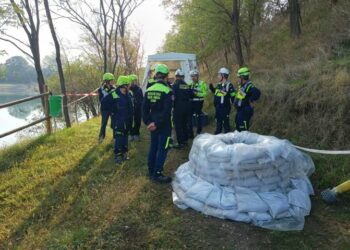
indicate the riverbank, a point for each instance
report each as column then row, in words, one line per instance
column 64, row 191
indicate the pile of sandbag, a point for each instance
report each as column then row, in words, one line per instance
column 246, row 177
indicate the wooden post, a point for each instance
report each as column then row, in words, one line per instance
column 47, row 111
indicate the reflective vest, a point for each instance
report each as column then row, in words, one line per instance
column 157, row 105
column 155, row 91
column 150, row 83
column 114, row 94
column 241, row 94
column 223, row 89
column 202, row 90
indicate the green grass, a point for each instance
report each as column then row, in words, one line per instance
column 64, row 192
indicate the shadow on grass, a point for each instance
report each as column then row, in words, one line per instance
column 148, row 219
column 16, row 154
column 152, row 221
column 69, row 185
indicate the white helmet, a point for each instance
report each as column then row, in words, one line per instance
column 179, row 72
column 224, row 71
column 194, row 72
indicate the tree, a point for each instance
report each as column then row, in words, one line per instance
column 126, row 8
column 251, row 16
column 81, row 76
column 232, row 11
column 18, row 70
column 294, row 18
column 59, row 63
column 100, row 23
column 5, row 16
column 28, row 17
column 105, row 25
column 205, row 27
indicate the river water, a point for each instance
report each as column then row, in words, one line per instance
column 25, row 113
column 18, row 115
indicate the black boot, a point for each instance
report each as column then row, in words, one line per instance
column 118, row 159
column 162, row 179
column 125, row 157
column 100, row 139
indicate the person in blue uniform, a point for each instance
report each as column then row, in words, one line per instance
column 182, row 108
column 151, row 79
column 200, row 91
column 246, row 96
column 156, row 113
column 137, row 101
column 103, row 91
column 224, row 95
column 121, row 109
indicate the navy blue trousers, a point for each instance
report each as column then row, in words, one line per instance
column 222, row 119
column 104, row 120
column 243, row 117
column 197, row 107
column 158, row 151
column 135, row 130
column 181, row 119
column 121, row 144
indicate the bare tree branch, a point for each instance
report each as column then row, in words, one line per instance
column 17, row 46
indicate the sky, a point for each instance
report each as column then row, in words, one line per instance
column 150, row 18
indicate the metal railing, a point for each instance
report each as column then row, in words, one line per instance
column 47, row 117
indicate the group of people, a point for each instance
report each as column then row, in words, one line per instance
column 165, row 104
column 122, row 101
column 243, row 100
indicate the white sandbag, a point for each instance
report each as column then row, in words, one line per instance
column 255, row 216
column 234, row 215
column 228, row 199
column 243, row 152
column 277, row 202
column 186, row 181
column 298, row 212
column 214, row 197
column 194, row 204
column 252, row 165
column 265, row 173
column 284, row 224
column 284, row 184
column 200, row 190
column 272, row 180
column 284, row 214
column 304, row 185
column 299, row 199
column 249, row 201
column 248, row 182
column 268, row 188
column 213, row 211
column 178, row 202
column 246, row 177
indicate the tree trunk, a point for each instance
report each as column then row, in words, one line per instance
column 104, row 24
column 122, row 27
column 92, row 107
column 236, row 33
column 59, row 64
column 294, row 18
column 34, row 47
column 205, row 61
column 226, row 55
column 31, row 28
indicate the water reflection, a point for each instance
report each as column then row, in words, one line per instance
column 17, row 115
column 23, row 110
column 22, row 114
